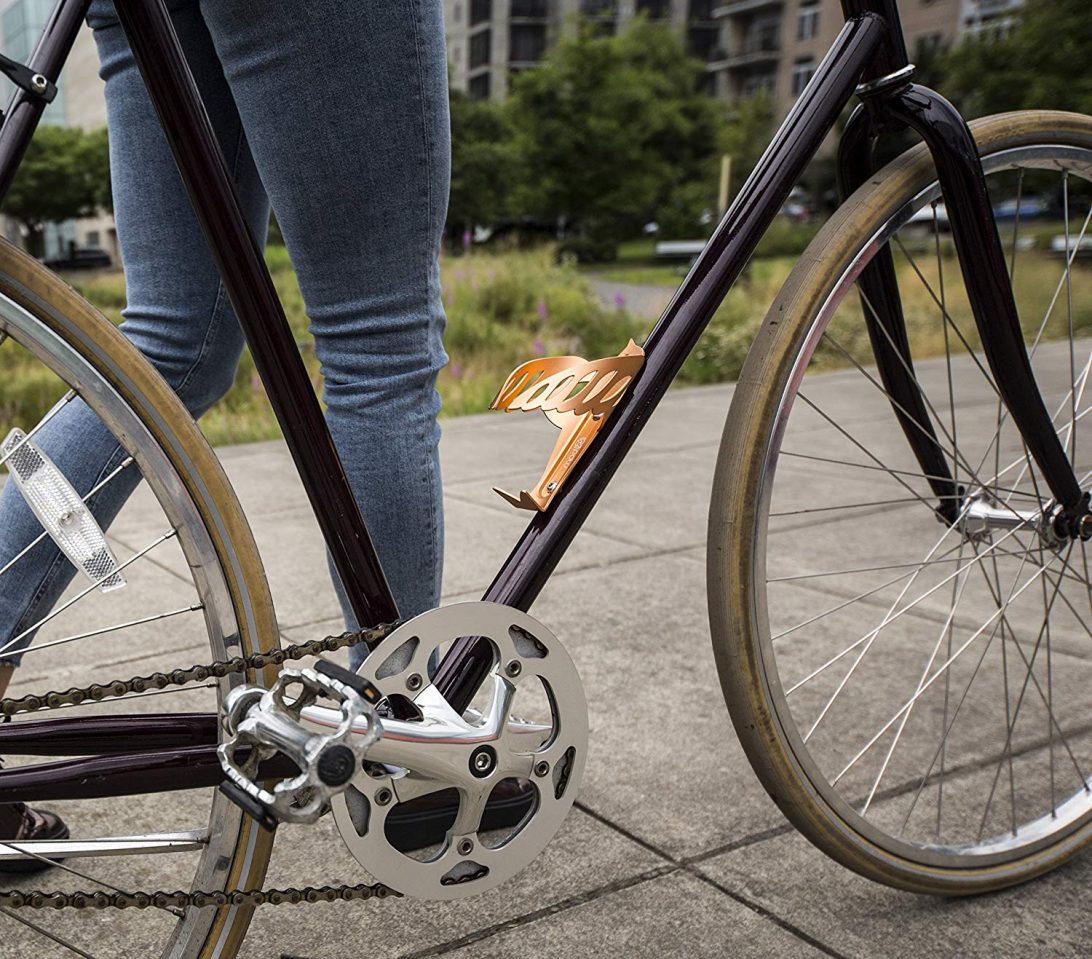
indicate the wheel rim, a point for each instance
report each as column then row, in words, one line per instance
column 226, row 839
column 806, row 710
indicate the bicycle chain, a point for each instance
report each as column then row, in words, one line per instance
column 218, row 669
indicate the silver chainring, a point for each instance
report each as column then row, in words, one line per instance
column 530, row 669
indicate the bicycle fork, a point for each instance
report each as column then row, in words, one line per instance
column 985, row 276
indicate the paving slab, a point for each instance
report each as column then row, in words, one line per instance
column 859, row 918
column 585, row 857
column 676, row 917
column 674, row 848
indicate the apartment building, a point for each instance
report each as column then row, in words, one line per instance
column 490, row 40
column 989, row 18
column 748, row 45
column 80, row 102
column 775, row 45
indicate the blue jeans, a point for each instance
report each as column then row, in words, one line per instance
column 337, row 114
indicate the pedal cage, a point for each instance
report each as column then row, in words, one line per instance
column 264, row 722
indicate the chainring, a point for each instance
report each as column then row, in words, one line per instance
column 470, row 753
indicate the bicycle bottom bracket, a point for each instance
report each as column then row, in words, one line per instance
column 521, row 745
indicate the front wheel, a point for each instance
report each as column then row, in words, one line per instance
column 913, row 693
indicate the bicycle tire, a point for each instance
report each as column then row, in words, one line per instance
column 77, row 342
column 739, row 624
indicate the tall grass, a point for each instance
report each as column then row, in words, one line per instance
column 504, row 309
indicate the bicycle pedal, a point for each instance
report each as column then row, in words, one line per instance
column 262, row 722
column 251, row 806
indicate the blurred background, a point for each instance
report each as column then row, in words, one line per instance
column 595, row 145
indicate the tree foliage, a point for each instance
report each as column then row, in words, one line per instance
column 65, row 174
column 483, row 162
column 1042, row 63
column 612, row 130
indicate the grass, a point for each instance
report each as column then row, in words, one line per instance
column 507, row 308
column 637, row 261
column 501, row 311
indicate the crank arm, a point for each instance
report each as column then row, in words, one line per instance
column 418, row 746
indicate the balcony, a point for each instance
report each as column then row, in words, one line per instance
column 761, row 50
column 990, row 8
column 734, row 8
column 529, row 11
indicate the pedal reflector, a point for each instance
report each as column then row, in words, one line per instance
column 60, row 510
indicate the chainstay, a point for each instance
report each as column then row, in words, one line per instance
column 96, row 692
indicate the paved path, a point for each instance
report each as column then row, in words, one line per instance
column 645, row 300
column 674, row 849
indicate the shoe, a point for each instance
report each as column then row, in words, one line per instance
column 424, row 821
column 19, row 822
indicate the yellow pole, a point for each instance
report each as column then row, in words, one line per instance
column 725, row 179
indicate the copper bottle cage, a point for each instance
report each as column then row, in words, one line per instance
column 577, row 396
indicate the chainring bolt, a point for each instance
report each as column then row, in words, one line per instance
column 413, row 682
column 383, row 796
column 514, row 668
column 483, row 761
column 542, row 768
column 465, row 847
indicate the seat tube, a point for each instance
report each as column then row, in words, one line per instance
column 986, row 278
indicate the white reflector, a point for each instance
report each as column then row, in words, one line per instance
column 60, row 510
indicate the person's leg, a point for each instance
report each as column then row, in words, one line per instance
column 177, row 313
column 345, row 108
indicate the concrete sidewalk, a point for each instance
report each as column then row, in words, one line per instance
column 674, row 849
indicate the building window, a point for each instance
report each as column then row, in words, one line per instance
column 701, row 11
column 456, row 55
column 457, row 12
column 480, row 11
column 529, row 9
column 807, row 20
column 701, row 42
column 656, row 9
column 478, row 87
column 480, row 45
column 757, row 83
column 763, row 36
column 598, row 8
column 526, row 43
column 801, row 74
column 928, row 45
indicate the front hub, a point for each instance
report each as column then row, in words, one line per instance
column 984, row 514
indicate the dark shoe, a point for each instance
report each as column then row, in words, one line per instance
column 19, row 822
column 424, row 821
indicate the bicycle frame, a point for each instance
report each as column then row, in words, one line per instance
column 868, row 56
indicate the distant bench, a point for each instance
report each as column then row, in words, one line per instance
column 679, row 249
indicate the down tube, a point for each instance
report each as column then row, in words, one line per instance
column 542, row 545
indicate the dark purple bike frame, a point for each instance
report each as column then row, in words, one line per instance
column 136, row 754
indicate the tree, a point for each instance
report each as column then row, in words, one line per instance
column 1040, row 64
column 746, row 135
column 610, row 130
column 483, row 163
column 65, row 174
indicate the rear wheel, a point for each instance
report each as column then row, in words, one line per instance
column 194, row 591
column 913, row 693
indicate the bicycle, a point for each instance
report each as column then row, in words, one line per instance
column 973, row 564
